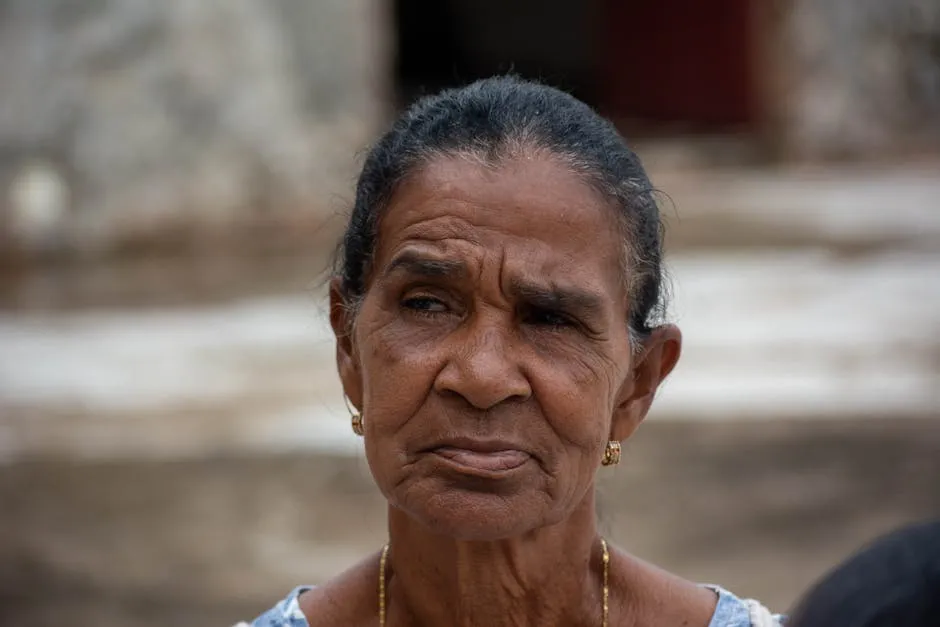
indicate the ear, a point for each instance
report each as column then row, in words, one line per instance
column 347, row 362
column 658, row 356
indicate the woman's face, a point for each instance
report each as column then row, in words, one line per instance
column 490, row 355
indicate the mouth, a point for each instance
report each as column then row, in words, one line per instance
column 481, row 457
column 495, row 461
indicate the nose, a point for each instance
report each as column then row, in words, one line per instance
column 482, row 370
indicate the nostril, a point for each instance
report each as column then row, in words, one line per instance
column 483, row 384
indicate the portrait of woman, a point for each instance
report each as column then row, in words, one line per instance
column 499, row 315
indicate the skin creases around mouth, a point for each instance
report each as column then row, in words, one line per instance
column 492, row 461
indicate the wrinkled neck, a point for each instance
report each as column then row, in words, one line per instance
column 549, row 576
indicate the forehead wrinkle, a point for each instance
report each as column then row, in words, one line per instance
column 452, row 199
column 453, row 177
column 439, row 228
column 422, row 264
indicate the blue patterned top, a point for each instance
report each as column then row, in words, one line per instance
column 730, row 612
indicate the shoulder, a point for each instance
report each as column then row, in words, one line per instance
column 348, row 599
column 657, row 597
column 287, row 613
column 666, row 599
column 732, row 611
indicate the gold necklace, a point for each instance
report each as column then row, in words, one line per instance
column 605, row 608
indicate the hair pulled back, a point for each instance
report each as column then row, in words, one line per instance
column 494, row 119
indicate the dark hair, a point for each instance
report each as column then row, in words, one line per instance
column 893, row 581
column 497, row 118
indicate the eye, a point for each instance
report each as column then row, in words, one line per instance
column 549, row 318
column 424, row 304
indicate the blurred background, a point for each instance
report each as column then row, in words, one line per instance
column 174, row 449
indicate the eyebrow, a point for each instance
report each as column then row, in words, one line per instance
column 415, row 263
column 557, row 298
column 551, row 297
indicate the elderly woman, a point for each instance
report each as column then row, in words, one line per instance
column 497, row 309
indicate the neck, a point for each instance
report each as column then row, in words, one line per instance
column 548, row 576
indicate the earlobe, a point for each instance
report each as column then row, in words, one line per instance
column 346, row 360
column 656, row 360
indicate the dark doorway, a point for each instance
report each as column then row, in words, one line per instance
column 651, row 65
column 679, row 62
column 442, row 43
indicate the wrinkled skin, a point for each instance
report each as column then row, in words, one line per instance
column 492, row 362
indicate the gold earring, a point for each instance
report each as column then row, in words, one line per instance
column 357, row 424
column 611, row 453
column 354, row 416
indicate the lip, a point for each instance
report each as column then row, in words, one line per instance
column 481, row 456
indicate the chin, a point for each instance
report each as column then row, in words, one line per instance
column 475, row 516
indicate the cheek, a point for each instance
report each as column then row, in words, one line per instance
column 577, row 393
column 398, row 368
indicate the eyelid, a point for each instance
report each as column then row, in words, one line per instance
column 575, row 321
column 422, row 290
column 567, row 317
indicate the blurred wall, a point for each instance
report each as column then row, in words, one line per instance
column 124, row 122
column 134, row 119
column 858, row 78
